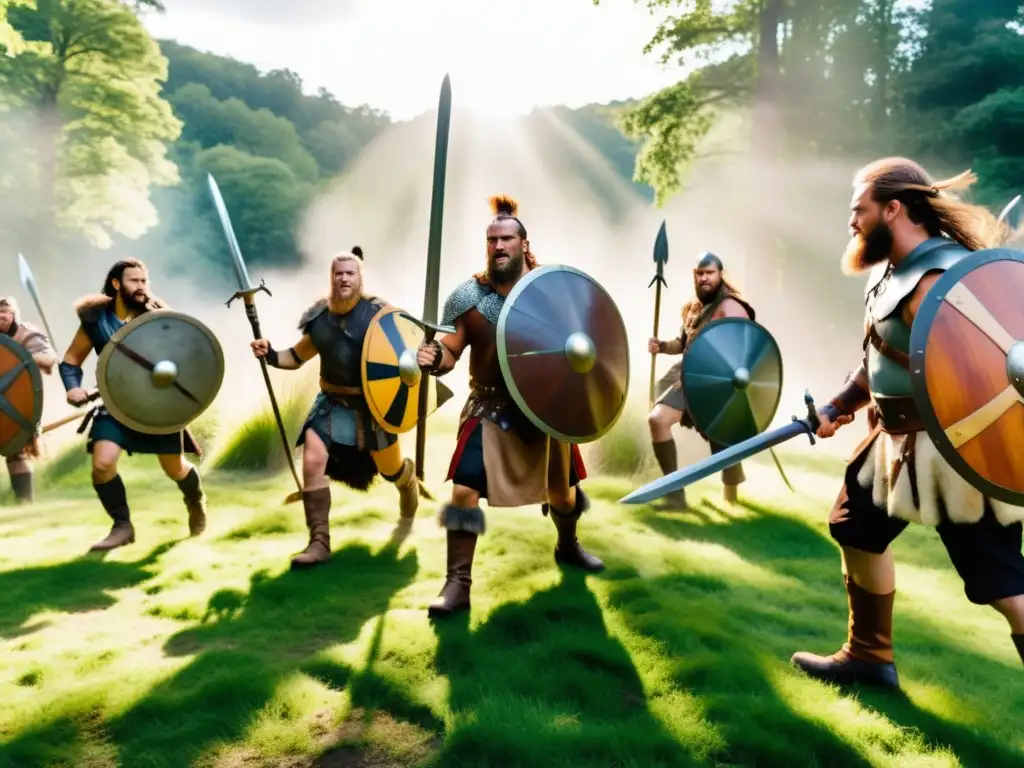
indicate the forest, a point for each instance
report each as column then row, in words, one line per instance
column 97, row 164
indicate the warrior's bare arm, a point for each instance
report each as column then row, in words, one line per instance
column 671, row 347
column 39, row 347
column 730, row 308
column 441, row 355
column 911, row 307
column 287, row 359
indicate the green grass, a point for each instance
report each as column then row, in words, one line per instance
column 208, row 652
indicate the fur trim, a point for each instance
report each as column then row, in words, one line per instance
column 312, row 313
column 469, row 519
column 582, row 505
column 88, row 308
column 936, row 480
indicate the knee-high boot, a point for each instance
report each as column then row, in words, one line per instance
column 317, row 505
column 867, row 656
column 114, row 497
column 568, row 550
column 665, row 453
column 408, row 489
column 464, row 525
column 21, row 484
column 195, row 501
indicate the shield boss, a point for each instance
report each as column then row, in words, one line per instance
column 564, row 354
column 21, row 396
column 967, row 370
column 160, row 372
column 732, row 380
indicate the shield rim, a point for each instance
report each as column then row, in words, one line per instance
column 126, row 330
column 778, row 354
column 387, row 309
column 919, row 334
column 510, row 300
column 36, row 375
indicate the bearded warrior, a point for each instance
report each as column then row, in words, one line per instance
column 500, row 455
column 340, row 439
column 714, row 299
column 908, row 230
column 125, row 296
column 38, row 345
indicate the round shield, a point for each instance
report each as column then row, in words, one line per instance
column 732, row 380
column 159, row 372
column 564, row 354
column 21, row 396
column 391, row 375
column 967, row 370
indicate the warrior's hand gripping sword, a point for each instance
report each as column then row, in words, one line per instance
column 247, row 294
column 660, row 259
column 729, row 456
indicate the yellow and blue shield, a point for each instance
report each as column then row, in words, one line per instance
column 391, row 375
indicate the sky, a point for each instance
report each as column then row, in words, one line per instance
column 393, row 54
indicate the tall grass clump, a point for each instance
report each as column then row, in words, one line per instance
column 256, row 443
column 626, row 450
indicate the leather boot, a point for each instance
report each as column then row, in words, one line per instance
column 1018, row 640
column 454, row 595
column 317, row 505
column 114, row 498
column 867, row 656
column 665, row 453
column 730, row 493
column 195, row 501
column 21, row 484
column 464, row 525
column 408, row 490
column 732, row 478
column 568, row 550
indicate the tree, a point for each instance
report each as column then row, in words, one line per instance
column 84, row 77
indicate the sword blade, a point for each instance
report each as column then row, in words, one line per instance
column 225, row 221
column 716, row 463
column 28, row 280
column 1009, row 207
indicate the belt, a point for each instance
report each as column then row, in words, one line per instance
column 337, row 389
column 898, row 415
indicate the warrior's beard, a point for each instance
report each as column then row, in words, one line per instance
column 863, row 252
column 341, row 304
column 134, row 302
column 708, row 295
column 507, row 274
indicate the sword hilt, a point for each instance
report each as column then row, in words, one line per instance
column 812, row 422
column 247, row 294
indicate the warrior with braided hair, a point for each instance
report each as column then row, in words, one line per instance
column 908, row 230
column 500, row 454
column 340, row 439
column 38, row 345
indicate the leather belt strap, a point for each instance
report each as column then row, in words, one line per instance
column 900, row 358
column 337, row 389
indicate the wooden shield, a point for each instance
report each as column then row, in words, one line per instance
column 21, row 396
column 392, row 377
column 967, row 369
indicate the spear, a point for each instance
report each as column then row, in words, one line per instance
column 430, row 297
column 247, row 295
column 28, row 280
column 660, row 259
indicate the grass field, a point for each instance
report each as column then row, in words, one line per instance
column 208, row 652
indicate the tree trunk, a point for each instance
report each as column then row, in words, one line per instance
column 884, row 31
column 46, row 237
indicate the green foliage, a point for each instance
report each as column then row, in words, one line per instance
column 85, row 80
column 626, row 450
column 256, row 445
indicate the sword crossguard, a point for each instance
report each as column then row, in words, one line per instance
column 812, row 422
column 249, row 293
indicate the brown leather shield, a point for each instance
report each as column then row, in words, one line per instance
column 21, row 396
column 564, row 354
column 967, row 369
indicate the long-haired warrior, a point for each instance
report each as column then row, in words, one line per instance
column 907, row 229
column 714, row 298
column 125, row 296
column 340, row 439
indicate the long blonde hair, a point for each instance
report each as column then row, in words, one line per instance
column 930, row 204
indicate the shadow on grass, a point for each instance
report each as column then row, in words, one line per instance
column 246, row 644
column 542, row 683
column 71, row 587
column 730, row 636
